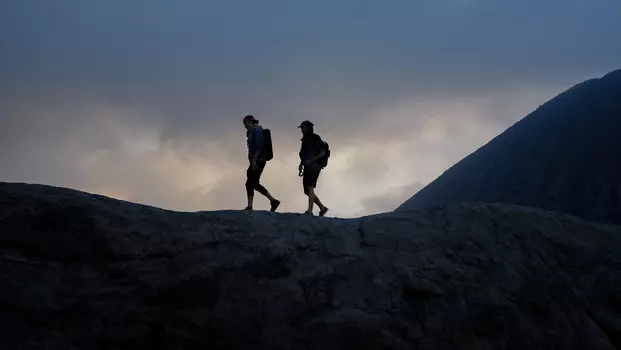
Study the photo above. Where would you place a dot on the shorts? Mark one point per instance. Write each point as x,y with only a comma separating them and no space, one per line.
311,174
255,176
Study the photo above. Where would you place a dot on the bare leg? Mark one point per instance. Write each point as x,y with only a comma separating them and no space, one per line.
310,192
318,202
322,208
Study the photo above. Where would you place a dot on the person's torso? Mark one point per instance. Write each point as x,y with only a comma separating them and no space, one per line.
310,147
251,142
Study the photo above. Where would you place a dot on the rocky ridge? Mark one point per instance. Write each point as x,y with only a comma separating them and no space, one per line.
81,271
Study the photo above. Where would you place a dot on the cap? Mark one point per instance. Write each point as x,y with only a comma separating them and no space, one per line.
251,117
306,122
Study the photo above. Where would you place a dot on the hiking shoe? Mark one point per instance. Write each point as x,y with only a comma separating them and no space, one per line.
309,213
275,203
248,208
323,211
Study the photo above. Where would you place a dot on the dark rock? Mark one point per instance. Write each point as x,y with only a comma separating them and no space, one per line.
562,157
81,271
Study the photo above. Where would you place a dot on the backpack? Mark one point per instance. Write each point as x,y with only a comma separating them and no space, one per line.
267,139
323,162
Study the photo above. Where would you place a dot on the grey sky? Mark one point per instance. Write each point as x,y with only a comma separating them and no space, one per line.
143,100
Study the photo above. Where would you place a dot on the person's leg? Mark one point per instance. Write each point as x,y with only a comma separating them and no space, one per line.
274,203
308,191
257,185
311,198
262,190
253,183
310,182
318,202
250,180
322,208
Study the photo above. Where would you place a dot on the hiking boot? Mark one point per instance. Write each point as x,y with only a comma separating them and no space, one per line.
275,203
323,211
248,208
309,213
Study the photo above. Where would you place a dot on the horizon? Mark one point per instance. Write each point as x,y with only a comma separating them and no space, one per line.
144,103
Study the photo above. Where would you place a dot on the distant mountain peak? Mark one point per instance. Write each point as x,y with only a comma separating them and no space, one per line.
563,156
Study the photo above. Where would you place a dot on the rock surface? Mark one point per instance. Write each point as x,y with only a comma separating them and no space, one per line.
563,157
81,271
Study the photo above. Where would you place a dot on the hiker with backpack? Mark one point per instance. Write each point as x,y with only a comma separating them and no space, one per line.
259,152
314,154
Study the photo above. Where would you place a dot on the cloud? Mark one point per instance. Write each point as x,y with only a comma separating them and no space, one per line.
392,198
144,100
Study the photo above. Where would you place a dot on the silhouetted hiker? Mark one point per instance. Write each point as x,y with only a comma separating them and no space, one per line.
314,154
257,156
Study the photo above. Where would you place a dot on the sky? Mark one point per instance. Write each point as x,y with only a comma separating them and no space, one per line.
143,100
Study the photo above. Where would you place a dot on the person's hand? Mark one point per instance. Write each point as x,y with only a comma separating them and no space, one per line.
255,167
300,168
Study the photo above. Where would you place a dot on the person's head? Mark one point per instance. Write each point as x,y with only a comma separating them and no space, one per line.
250,121
307,127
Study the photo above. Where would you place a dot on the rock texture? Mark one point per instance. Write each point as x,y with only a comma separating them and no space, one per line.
81,271
563,157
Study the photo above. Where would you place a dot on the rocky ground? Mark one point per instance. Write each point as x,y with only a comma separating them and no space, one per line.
81,271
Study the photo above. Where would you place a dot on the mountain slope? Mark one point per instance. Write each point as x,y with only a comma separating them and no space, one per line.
563,157
81,271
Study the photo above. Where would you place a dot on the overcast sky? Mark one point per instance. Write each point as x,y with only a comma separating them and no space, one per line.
143,100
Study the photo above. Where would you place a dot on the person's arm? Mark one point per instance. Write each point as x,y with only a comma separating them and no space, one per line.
301,154
317,157
259,144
